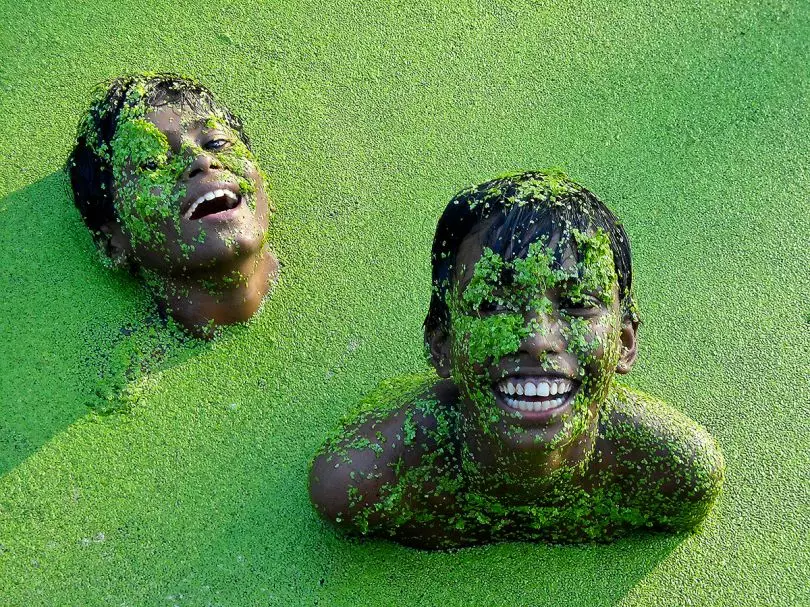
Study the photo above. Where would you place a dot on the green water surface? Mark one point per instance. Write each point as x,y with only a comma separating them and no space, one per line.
691,120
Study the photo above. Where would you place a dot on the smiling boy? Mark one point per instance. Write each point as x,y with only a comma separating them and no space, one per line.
524,434
165,179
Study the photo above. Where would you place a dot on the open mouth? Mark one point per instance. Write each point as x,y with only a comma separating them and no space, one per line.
213,203
536,396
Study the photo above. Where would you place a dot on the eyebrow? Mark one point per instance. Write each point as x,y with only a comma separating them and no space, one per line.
566,285
199,122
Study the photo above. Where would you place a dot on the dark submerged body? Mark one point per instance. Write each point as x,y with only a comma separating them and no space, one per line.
398,470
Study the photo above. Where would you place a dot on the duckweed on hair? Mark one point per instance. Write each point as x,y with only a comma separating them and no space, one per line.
144,171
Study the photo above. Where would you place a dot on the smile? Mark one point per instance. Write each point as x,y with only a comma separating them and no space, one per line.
536,395
213,203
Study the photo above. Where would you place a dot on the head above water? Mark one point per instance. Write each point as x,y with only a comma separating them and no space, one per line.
532,312
524,209
90,165
165,179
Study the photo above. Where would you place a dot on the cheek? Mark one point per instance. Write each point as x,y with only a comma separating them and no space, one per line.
486,340
601,361
147,208
603,335
150,197
466,372
462,364
240,162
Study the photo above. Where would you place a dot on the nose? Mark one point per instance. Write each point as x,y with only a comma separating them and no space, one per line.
202,163
547,338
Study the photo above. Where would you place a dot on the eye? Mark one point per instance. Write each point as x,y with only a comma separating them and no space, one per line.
217,144
149,165
581,305
492,307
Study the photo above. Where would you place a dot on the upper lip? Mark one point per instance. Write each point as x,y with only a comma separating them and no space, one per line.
535,372
194,192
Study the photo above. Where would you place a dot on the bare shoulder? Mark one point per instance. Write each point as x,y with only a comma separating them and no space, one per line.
671,461
405,424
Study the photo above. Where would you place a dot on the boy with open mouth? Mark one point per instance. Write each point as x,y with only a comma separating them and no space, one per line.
525,433
165,179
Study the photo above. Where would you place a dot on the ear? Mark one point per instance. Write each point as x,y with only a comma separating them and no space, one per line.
115,243
438,345
629,345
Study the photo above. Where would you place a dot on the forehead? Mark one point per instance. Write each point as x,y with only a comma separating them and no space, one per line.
177,122
472,247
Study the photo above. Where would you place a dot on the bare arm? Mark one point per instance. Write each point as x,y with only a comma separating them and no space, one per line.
382,474
669,463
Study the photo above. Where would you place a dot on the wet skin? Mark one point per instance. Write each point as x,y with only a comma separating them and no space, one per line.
207,264
447,462
524,444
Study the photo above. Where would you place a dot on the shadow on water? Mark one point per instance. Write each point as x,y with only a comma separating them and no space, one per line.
70,331
301,560
75,337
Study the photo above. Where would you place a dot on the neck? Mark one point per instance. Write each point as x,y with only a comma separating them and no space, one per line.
506,472
220,295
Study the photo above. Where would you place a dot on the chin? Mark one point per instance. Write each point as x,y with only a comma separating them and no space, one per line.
537,440
226,248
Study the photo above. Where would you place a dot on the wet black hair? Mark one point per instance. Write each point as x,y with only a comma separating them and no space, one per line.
89,165
528,207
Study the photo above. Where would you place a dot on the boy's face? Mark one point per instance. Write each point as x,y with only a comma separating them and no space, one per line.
534,349
188,192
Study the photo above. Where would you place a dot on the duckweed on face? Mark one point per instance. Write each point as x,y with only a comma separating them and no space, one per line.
148,185
505,303
149,196
147,178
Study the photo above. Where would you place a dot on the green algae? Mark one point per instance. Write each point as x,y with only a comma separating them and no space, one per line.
674,487
644,101
449,495
130,357
493,336
140,143
147,199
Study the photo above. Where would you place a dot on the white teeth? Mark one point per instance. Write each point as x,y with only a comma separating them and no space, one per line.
559,390
522,405
194,206
210,196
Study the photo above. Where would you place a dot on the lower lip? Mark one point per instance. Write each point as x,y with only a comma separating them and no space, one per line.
536,417
222,215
